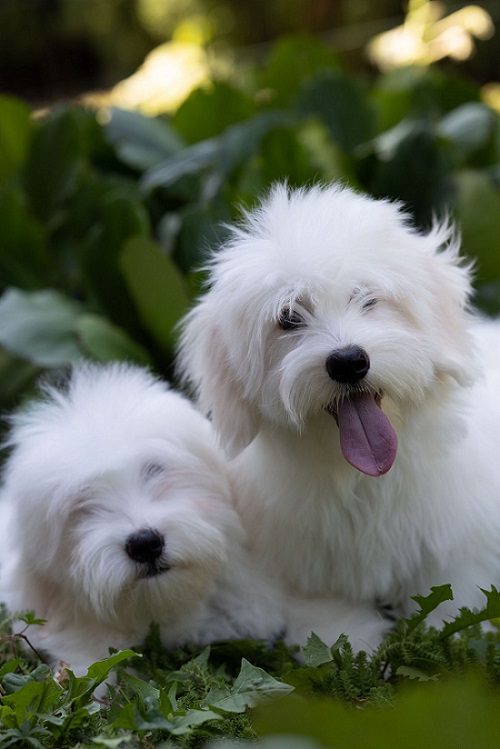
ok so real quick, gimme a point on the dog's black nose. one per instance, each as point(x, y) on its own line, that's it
point(348, 365)
point(145, 545)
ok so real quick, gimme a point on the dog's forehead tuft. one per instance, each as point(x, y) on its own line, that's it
point(300, 238)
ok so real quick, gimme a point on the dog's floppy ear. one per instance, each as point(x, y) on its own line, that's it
point(204, 363)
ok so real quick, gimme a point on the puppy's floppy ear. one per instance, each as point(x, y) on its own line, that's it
point(452, 289)
point(204, 363)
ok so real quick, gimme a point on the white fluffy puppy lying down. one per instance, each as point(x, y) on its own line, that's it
point(336, 353)
point(119, 514)
point(117, 511)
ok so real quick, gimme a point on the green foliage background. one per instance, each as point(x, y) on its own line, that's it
point(106, 216)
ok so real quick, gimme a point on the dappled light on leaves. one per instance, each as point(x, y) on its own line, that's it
point(428, 35)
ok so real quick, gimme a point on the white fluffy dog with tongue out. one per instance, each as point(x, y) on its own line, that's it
point(343, 370)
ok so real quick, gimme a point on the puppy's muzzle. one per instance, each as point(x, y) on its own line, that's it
point(146, 547)
point(348, 365)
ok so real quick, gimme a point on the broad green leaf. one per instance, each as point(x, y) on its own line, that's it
point(341, 103)
point(140, 687)
point(16, 375)
point(418, 173)
point(183, 724)
point(221, 154)
point(207, 112)
point(418, 92)
point(24, 260)
point(54, 163)
point(121, 217)
point(251, 686)
point(141, 141)
point(428, 604)
point(33, 697)
point(40, 327)
point(107, 342)
point(282, 156)
point(478, 215)
point(198, 230)
point(316, 652)
point(468, 127)
point(293, 62)
point(157, 288)
point(16, 129)
point(100, 669)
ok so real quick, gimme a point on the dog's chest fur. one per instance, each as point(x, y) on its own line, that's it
point(323, 528)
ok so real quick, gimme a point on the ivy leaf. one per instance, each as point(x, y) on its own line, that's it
point(316, 652)
point(251, 686)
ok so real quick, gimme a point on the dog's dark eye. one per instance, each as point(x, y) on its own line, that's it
point(290, 320)
point(370, 302)
point(153, 470)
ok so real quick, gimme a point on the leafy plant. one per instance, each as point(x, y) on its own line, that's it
point(247, 691)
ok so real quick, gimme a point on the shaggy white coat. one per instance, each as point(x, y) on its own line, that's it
point(113, 453)
point(312, 272)
point(94, 462)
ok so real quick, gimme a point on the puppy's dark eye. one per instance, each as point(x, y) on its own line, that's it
point(290, 320)
point(153, 470)
point(370, 302)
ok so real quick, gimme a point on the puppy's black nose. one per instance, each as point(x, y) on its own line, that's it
point(145, 545)
point(348, 365)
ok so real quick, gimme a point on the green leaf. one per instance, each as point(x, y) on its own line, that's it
point(24, 260)
point(467, 618)
point(478, 216)
point(16, 129)
point(417, 173)
point(33, 697)
point(141, 141)
point(221, 154)
point(342, 105)
point(468, 127)
point(428, 604)
point(415, 673)
point(251, 686)
point(40, 327)
point(158, 289)
point(107, 342)
point(54, 164)
point(121, 217)
point(207, 112)
point(316, 652)
point(293, 62)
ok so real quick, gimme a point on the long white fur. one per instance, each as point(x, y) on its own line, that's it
point(315, 521)
point(114, 452)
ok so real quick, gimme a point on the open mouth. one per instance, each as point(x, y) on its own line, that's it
point(367, 438)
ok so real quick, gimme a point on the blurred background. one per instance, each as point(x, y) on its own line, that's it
point(132, 130)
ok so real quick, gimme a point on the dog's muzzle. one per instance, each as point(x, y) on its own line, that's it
point(146, 547)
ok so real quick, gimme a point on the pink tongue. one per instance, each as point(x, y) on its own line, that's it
point(367, 439)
